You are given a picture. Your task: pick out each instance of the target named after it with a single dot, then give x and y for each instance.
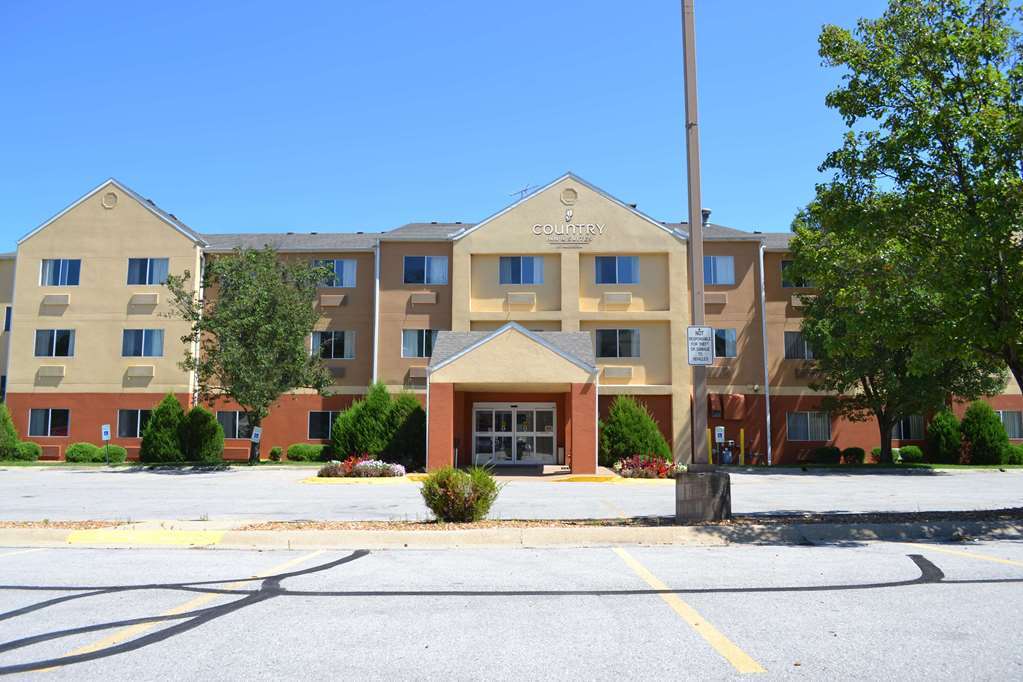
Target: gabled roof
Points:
(293, 241)
(425, 231)
(777, 241)
(148, 204)
(576, 347)
(469, 229)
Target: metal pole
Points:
(700, 440)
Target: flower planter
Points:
(702, 496)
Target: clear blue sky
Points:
(363, 116)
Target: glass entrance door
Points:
(514, 433)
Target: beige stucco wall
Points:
(652, 292)
(653, 366)
(487, 294)
(7, 266)
(99, 308)
(787, 377)
(740, 311)
(532, 325)
(511, 358)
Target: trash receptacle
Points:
(702, 496)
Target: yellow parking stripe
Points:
(22, 551)
(113, 536)
(739, 659)
(956, 552)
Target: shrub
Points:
(1015, 454)
(875, 453)
(630, 430)
(641, 466)
(944, 439)
(114, 454)
(406, 431)
(983, 435)
(855, 455)
(161, 442)
(307, 452)
(332, 469)
(374, 468)
(363, 427)
(826, 454)
(202, 437)
(276, 453)
(83, 452)
(28, 451)
(911, 454)
(8, 435)
(460, 496)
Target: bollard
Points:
(702, 496)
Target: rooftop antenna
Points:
(525, 191)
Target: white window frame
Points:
(618, 271)
(618, 343)
(145, 334)
(347, 341)
(708, 270)
(807, 350)
(49, 422)
(345, 281)
(62, 271)
(899, 433)
(138, 420)
(421, 336)
(149, 272)
(1019, 422)
(427, 260)
(330, 424)
(734, 342)
(807, 415)
(237, 423)
(538, 269)
(53, 344)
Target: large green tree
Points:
(932, 97)
(248, 334)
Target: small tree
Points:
(8, 435)
(984, 436)
(406, 444)
(364, 427)
(250, 330)
(944, 440)
(161, 438)
(202, 437)
(630, 430)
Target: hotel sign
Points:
(569, 232)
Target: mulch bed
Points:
(69, 525)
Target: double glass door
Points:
(514, 433)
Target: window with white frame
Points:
(147, 271)
(55, 343)
(808, 426)
(617, 269)
(426, 269)
(142, 343)
(718, 270)
(617, 343)
(909, 428)
(7, 319)
(342, 272)
(417, 343)
(339, 345)
(321, 423)
(1013, 423)
(796, 347)
(130, 423)
(724, 343)
(521, 269)
(60, 272)
(788, 280)
(49, 422)
(234, 423)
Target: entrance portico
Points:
(512, 396)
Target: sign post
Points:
(105, 435)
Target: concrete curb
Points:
(528, 537)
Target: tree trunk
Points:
(885, 429)
(254, 445)
(1016, 367)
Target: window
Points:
(724, 343)
(131, 422)
(617, 343)
(718, 270)
(7, 319)
(417, 343)
(790, 282)
(147, 270)
(142, 343)
(320, 424)
(49, 422)
(235, 424)
(521, 269)
(617, 269)
(334, 345)
(342, 272)
(796, 347)
(60, 272)
(426, 269)
(909, 428)
(809, 426)
(1013, 423)
(55, 343)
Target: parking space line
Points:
(22, 551)
(738, 658)
(955, 552)
(132, 631)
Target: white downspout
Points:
(376, 308)
(767, 374)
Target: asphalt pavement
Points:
(858, 611)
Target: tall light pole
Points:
(700, 444)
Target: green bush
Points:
(115, 453)
(276, 453)
(406, 430)
(1015, 454)
(826, 454)
(911, 454)
(460, 496)
(83, 452)
(983, 435)
(363, 427)
(8, 435)
(630, 430)
(161, 439)
(944, 439)
(201, 437)
(875, 453)
(308, 452)
(854, 455)
(28, 451)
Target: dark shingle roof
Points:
(715, 232)
(426, 231)
(293, 241)
(777, 240)
(578, 346)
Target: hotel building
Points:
(516, 332)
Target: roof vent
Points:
(314, 233)
(360, 232)
(633, 206)
(433, 222)
(150, 202)
(291, 233)
(458, 222)
(172, 216)
(757, 232)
